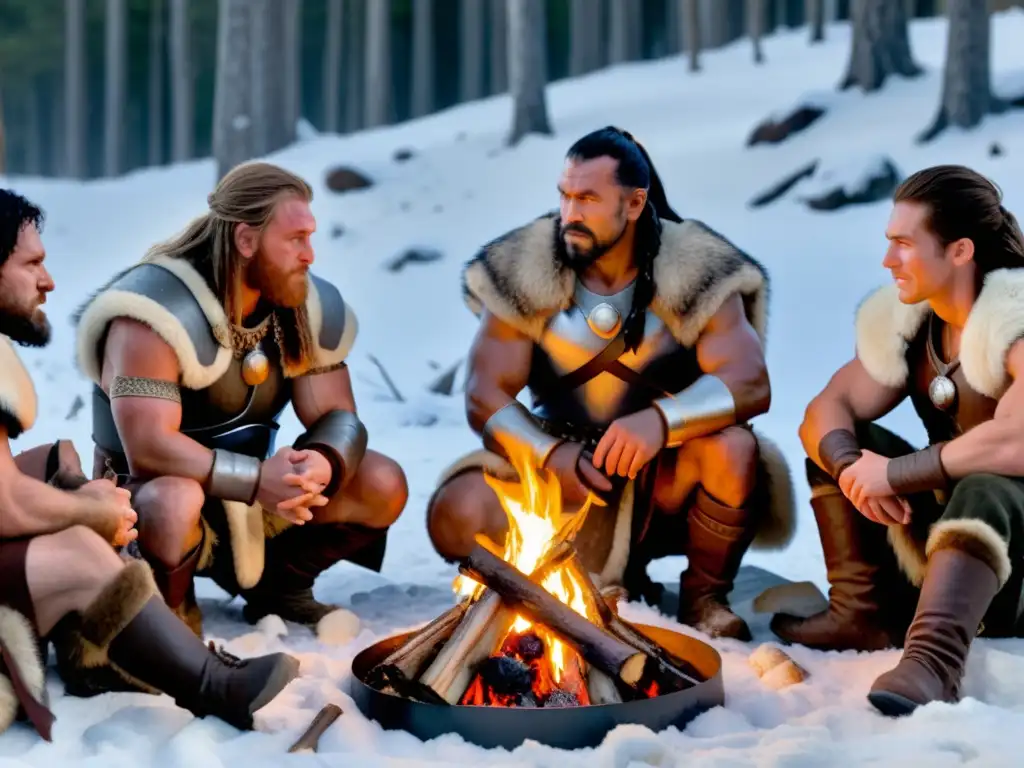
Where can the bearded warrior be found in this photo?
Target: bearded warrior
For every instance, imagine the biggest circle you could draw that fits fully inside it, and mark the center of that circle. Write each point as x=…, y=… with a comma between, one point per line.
x=194, y=354
x=640, y=338
x=61, y=580
x=927, y=539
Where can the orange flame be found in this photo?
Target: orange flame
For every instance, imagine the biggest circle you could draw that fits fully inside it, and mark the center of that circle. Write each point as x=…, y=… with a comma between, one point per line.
x=533, y=505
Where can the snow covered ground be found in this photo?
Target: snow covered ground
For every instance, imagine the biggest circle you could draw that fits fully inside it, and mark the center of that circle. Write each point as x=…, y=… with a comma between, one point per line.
x=461, y=188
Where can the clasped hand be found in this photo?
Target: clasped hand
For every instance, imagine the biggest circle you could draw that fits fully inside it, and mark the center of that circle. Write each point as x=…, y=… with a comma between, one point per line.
x=866, y=484
x=291, y=484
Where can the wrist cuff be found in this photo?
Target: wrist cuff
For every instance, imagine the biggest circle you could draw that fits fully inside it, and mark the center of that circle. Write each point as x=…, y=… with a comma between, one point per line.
x=917, y=472
x=515, y=430
x=233, y=476
x=837, y=450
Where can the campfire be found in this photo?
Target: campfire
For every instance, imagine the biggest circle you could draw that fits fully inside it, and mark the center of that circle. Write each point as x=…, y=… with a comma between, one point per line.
x=532, y=629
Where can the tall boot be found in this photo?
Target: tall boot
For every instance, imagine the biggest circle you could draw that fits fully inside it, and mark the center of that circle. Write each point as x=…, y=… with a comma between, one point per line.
x=957, y=591
x=178, y=587
x=294, y=559
x=718, y=538
x=864, y=600
x=130, y=627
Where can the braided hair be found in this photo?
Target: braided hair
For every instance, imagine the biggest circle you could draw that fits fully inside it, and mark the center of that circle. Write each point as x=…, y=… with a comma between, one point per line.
x=634, y=171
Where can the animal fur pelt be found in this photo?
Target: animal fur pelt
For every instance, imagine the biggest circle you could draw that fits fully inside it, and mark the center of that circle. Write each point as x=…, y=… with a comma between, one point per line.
x=19, y=638
x=18, y=401
x=885, y=327
x=94, y=318
x=81, y=641
x=518, y=278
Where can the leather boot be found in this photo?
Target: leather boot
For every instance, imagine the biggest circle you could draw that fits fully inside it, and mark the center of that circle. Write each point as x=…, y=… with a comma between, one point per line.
x=134, y=630
x=294, y=558
x=863, y=610
x=178, y=587
x=957, y=591
x=718, y=538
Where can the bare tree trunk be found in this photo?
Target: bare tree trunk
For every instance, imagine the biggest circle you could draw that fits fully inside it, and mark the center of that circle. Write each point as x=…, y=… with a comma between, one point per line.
x=966, y=83
x=113, y=97
x=33, y=131
x=182, y=90
x=156, y=82
x=74, y=88
x=881, y=45
x=378, y=63
x=292, y=66
x=756, y=18
x=499, y=46
x=333, y=36
x=471, y=58
x=691, y=28
x=355, y=81
x=258, y=69
x=584, y=36
x=815, y=12
x=3, y=139
x=232, y=118
x=527, y=67
x=625, y=31
x=423, y=58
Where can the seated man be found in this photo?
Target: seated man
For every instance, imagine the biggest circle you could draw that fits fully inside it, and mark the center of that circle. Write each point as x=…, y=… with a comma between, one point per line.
x=58, y=566
x=640, y=338
x=948, y=334
x=194, y=353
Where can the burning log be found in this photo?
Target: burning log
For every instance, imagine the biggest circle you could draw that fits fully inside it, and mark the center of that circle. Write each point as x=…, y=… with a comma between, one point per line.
x=602, y=688
x=684, y=673
x=482, y=629
x=422, y=645
x=600, y=648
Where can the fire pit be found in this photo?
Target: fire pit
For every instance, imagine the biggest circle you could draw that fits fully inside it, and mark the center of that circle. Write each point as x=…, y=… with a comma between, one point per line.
x=535, y=649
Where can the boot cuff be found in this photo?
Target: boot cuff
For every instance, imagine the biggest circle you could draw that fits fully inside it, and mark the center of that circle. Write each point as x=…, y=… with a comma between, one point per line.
x=118, y=603
x=975, y=537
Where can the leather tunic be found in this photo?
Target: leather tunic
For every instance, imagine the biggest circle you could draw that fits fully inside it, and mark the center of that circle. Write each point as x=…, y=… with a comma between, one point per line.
x=970, y=407
x=568, y=343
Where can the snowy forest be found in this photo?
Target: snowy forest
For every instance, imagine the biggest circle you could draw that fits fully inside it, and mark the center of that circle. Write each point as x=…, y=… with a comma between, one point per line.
x=97, y=88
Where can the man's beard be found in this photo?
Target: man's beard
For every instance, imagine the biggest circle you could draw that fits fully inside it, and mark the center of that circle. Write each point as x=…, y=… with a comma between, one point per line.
x=580, y=259
x=29, y=331
x=281, y=289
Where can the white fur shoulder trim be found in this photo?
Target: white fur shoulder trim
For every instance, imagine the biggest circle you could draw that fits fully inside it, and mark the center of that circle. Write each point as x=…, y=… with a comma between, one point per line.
x=995, y=323
x=111, y=304
x=17, y=392
x=884, y=328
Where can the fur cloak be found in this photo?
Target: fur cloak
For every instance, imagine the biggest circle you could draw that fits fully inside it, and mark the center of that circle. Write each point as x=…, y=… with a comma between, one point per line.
x=884, y=329
x=519, y=278
x=248, y=525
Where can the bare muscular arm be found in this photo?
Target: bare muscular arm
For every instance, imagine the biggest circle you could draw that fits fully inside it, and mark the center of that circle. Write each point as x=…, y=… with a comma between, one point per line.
x=850, y=396
x=499, y=368
x=313, y=396
x=150, y=427
x=995, y=446
x=730, y=350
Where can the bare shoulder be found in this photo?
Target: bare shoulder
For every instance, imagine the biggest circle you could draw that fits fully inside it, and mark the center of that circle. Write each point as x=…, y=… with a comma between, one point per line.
x=133, y=348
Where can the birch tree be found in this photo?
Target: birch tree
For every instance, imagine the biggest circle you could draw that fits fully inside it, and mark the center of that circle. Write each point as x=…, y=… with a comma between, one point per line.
x=756, y=21
x=499, y=45
x=815, y=12
x=584, y=36
x=527, y=67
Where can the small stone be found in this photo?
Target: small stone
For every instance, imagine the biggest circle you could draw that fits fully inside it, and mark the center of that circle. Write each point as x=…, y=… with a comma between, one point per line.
x=403, y=154
x=559, y=699
x=342, y=179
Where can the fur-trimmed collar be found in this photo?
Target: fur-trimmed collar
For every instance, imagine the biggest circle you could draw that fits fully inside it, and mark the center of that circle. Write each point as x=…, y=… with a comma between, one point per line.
x=518, y=278
x=18, y=402
x=885, y=326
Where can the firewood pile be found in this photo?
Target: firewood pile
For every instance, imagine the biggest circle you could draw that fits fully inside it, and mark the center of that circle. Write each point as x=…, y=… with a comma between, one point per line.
x=547, y=639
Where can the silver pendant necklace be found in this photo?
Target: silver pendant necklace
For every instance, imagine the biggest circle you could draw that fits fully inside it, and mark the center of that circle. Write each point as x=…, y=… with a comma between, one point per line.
x=941, y=390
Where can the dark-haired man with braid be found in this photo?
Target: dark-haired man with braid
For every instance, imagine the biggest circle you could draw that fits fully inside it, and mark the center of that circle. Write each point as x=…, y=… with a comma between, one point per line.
x=640, y=337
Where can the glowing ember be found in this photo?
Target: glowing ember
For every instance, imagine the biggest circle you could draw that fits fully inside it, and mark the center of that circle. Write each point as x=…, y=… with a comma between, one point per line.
x=535, y=522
